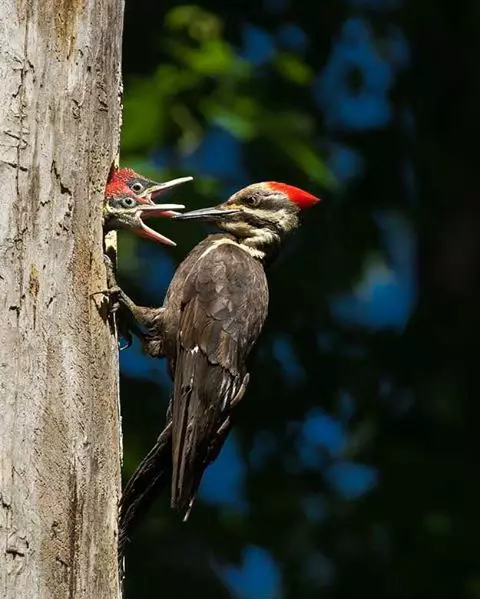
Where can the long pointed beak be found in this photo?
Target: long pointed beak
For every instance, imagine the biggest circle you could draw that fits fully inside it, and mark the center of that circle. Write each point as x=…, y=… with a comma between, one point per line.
x=208, y=214
x=157, y=190
x=157, y=210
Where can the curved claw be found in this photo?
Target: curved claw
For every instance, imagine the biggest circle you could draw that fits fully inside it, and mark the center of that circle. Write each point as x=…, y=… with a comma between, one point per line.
x=129, y=341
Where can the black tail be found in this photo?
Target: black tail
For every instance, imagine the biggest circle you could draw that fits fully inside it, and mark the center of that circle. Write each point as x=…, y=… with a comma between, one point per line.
x=154, y=473
x=151, y=476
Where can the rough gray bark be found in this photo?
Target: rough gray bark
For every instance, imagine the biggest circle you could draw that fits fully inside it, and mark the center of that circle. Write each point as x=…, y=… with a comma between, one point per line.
x=59, y=422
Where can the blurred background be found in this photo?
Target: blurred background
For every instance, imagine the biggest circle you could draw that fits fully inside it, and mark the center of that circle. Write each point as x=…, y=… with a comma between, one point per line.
x=355, y=466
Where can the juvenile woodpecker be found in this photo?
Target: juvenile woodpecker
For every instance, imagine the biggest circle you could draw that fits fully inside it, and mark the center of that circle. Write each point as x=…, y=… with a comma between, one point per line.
x=143, y=187
x=124, y=209
x=213, y=313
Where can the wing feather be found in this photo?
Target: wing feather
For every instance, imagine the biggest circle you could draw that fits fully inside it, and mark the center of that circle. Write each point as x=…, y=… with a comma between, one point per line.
x=224, y=306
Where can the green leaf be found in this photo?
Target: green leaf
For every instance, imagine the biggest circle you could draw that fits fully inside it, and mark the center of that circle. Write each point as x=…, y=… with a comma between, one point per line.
x=293, y=69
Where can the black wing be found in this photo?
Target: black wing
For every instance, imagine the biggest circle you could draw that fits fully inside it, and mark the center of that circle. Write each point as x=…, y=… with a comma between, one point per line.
x=224, y=307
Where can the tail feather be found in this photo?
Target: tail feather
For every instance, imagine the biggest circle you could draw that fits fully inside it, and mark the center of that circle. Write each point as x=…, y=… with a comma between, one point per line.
x=146, y=483
x=187, y=414
x=154, y=473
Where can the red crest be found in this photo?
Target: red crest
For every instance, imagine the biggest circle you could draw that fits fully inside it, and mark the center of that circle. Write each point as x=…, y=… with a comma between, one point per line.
x=301, y=198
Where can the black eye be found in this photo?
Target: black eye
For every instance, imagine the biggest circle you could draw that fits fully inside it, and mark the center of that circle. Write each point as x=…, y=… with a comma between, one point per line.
x=250, y=201
x=137, y=187
x=127, y=202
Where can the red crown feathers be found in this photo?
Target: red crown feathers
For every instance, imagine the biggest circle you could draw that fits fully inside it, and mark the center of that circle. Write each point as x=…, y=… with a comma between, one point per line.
x=301, y=198
x=124, y=174
x=117, y=185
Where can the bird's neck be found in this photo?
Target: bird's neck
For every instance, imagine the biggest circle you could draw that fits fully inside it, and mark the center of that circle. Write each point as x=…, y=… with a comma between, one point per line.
x=253, y=245
x=263, y=244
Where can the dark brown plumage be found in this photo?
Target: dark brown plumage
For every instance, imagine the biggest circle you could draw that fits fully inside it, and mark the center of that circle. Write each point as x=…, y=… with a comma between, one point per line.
x=223, y=309
x=212, y=316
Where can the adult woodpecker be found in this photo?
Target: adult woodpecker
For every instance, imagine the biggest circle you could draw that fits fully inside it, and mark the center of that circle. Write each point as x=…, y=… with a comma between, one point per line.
x=212, y=316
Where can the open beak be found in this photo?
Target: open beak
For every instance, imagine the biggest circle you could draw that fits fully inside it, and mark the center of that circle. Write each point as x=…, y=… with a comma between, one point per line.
x=158, y=189
x=212, y=214
x=157, y=210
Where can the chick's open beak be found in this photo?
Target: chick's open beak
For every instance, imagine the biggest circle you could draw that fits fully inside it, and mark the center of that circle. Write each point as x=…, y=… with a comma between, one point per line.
x=155, y=191
x=156, y=210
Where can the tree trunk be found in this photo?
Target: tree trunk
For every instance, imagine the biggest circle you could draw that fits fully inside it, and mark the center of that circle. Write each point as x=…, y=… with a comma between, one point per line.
x=59, y=417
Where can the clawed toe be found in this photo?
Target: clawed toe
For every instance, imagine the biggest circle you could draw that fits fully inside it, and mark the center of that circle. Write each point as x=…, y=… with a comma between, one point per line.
x=112, y=296
x=128, y=341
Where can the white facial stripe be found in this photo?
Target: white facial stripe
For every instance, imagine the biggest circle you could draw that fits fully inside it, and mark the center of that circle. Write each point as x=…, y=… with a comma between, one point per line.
x=247, y=232
x=253, y=237
x=262, y=237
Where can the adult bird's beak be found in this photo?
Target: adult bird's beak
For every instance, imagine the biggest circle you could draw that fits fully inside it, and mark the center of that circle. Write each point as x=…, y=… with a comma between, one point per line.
x=213, y=214
x=156, y=210
x=158, y=189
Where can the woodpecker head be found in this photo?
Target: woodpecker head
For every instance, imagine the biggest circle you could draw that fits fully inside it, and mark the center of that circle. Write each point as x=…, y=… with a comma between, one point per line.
x=142, y=187
x=125, y=210
x=259, y=215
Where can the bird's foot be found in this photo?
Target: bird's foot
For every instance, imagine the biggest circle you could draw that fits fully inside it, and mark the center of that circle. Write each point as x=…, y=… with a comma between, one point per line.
x=131, y=318
x=113, y=290
x=116, y=297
